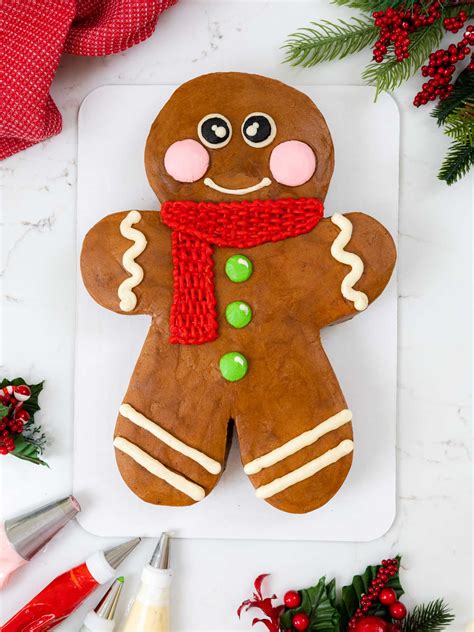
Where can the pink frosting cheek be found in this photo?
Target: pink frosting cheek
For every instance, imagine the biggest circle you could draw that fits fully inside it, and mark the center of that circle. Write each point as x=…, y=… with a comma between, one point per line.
x=186, y=160
x=292, y=163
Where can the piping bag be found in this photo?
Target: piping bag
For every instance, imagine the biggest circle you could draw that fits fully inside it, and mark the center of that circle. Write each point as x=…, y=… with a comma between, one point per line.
x=65, y=593
x=150, y=612
x=101, y=619
x=21, y=538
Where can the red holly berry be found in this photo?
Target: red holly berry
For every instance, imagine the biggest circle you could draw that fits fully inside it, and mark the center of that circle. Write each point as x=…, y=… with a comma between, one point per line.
x=300, y=621
x=387, y=596
x=292, y=599
x=370, y=624
x=397, y=611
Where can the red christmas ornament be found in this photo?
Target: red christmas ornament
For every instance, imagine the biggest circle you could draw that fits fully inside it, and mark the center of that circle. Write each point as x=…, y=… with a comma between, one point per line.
x=22, y=415
x=387, y=596
x=300, y=621
x=370, y=624
x=397, y=611
x=22, y=392
x=292, y=599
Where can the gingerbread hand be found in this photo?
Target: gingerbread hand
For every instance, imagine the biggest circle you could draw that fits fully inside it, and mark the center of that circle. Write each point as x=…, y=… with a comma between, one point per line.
x=366, y=255
x=115, y=254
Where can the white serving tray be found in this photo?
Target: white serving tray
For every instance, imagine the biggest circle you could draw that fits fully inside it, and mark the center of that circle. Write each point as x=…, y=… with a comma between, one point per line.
x=113, y=126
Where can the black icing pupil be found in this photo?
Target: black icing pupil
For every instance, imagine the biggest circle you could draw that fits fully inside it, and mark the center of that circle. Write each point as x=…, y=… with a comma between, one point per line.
x=215, y=130
x=257, y=129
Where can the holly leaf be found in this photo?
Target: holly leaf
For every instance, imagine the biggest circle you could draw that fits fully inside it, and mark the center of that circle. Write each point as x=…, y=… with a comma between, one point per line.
x=350, y=597
x=31, y=405
x=4, y=410
x=319, y=603
x=27, y=451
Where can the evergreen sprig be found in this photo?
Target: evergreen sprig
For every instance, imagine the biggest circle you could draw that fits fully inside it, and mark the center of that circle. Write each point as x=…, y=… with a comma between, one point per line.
x=463, y=93
x=432, y=617
x=459, y=125
x=457, y=162
x=374, y=5
x=391, y=73
x=324, y=41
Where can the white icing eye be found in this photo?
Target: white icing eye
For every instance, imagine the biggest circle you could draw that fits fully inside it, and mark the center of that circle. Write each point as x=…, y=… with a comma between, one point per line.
x=214, y=131
x=259, y=129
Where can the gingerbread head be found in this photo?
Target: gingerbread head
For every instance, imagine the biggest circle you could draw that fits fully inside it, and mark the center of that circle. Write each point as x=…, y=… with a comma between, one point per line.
x=239, y=272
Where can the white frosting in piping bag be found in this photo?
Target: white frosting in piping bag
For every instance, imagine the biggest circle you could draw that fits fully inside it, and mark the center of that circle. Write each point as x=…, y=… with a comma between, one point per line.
x=214, y=467
x=298, y=443
x=159, y=470
x=359, y=299
x=128, y=299
x=305, y=471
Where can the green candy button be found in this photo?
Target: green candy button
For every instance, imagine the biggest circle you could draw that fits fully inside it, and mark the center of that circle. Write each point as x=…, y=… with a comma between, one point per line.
x=238, y=314
x=238, y=268
x=233, y=366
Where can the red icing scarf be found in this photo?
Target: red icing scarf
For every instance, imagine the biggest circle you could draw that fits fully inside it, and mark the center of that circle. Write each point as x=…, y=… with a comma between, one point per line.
x=197, y=227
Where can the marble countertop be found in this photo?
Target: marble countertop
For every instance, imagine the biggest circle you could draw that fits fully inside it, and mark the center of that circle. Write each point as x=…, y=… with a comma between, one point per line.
x=38, y=198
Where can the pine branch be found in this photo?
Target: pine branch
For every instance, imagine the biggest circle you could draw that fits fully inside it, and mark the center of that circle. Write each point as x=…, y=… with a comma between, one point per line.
x=452, y=9
x=374, y=5
x=326, y=41
x=391, y=73
x=462, y=93
x=432, y=617
x=459, y=125
x=457, y=162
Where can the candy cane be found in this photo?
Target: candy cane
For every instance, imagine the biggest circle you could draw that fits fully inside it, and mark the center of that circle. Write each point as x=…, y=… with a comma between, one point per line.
x=20, y=393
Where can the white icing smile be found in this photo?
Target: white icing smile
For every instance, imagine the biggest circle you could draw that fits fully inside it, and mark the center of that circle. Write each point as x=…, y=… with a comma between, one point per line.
x=265, y=182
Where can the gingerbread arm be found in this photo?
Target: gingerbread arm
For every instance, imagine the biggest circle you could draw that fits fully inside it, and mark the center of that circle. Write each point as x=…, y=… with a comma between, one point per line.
x=356, y=259
x=120, y=262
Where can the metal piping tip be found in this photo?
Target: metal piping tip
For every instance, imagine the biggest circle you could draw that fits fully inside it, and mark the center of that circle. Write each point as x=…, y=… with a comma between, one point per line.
x=108, y=604
x=30, y=532
x=160, y=557
x=117, y=554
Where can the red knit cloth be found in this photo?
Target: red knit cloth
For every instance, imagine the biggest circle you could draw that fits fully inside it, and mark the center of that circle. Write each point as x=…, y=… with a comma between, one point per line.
x=197, y=227
x=34, y=34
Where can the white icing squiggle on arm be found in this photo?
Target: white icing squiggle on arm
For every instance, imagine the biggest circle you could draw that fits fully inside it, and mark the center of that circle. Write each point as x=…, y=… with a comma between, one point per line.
x=359, y=299
x=128, y=299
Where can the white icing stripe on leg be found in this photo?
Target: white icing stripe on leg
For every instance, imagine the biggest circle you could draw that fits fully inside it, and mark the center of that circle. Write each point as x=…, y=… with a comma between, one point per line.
x=213, y=467
x=298, y=443
x=305, y=471
x=359, y=299
x=128, y=299
x=159, y=470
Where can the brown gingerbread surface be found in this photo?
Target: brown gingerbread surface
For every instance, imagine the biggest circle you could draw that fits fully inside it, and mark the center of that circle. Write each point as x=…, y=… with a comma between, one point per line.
x=294, y=291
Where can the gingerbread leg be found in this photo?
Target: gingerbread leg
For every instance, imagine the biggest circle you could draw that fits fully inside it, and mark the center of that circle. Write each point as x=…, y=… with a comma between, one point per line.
x=171, y=434
x=296, y=443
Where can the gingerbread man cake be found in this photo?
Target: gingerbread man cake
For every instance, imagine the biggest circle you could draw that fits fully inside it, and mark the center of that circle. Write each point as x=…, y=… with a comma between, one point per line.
x=239, y=272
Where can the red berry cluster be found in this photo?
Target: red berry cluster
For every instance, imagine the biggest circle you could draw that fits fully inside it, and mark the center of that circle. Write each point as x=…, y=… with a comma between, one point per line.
x=387, y=570
x=441, y=67
x=455, y=23
x=397, y=24
x=14, y=422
